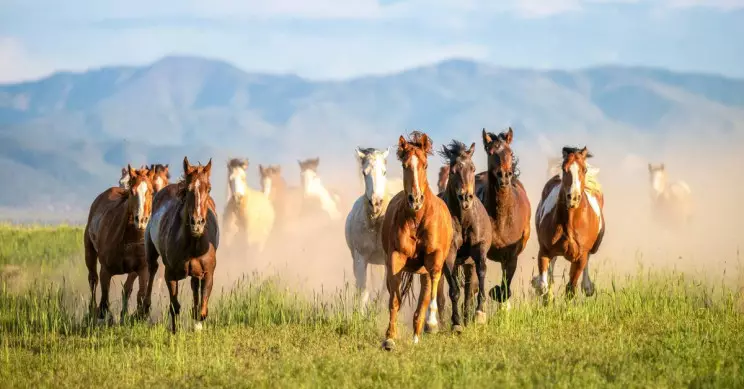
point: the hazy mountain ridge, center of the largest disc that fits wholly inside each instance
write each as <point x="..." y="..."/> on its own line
<point x="70" y="133"/>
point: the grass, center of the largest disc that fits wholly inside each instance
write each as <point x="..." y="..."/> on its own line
<point x="659" y="330"/>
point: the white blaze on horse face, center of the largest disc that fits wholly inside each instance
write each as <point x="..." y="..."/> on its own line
<point x="374" y="178"/>
<point x="237" y="182"/>
<point x="658" y="181"/>
<point x="575" y="183"/>
<point x="414" y="166"/>
<point x="141" y="197"/>
<point x="197" y="196"/>
<point x="308" y="182"/>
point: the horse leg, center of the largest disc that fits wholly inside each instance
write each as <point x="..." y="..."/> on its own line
<point x="480" y="268"/>
<point x="143" y="287"/>
<point x="91" y="261"/>
<point x="195" y="289"/>
<point x="587" y="285"/>
<point x="434" y="267"/>
<point x="103" y="309"/>
<point x="450" y="274"/>
<point x="577" y="268"/>
<point x="393" y="277"/>
<point x="467" y="272"/>
<point x="421" y="309"/>
<point x="175" y="307"/>
<point x="151" y="257"/>
<point x="441" y="302"/>
<point x="126" y="293"/>
<point x="540" y="282"/>
<point x="360" y="275"/>
<point x="502" y="293"/>
<point x="206" y="291"/>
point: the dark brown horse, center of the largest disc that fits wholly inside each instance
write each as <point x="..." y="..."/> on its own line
<point x="508" y="208"/>
<point x="184" y="232"/>
<point x="114" y="236"/>
<point x="416" y="237"/>
<point x="570" y="221"/>
<point x="471" y="239"/>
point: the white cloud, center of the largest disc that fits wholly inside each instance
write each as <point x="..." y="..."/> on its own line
<point x="16" y="64"/>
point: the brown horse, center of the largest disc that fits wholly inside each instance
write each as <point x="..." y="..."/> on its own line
<point x="162" y="176"/>
<point x="570" y="221"/>
<point x="416" y="238"/>
<point x="184" y="232"/>
<point x="113" y="237"/>
<point x="287" y="201"/>
<point x="472" y="234"/>
<point x="444" y="172"/>
<point x="508" y="208"/>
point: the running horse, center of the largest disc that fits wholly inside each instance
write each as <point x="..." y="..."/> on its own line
<point x="569" y="222"/>
<point x="416" y="238"/>
<point x="114" y="237"/>
<point x="247" y="209"/>
<point x="184" y="232"/>
<point x="471" y="239"/>
<point x="505" y="199"/>
<point x="287" y="200"/>
<point x="313" y="189"/>
<point x="444" y="172"/>
<point x="671" y="201"/>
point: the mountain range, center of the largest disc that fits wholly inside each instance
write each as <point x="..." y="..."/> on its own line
<point x="64" y="138"/>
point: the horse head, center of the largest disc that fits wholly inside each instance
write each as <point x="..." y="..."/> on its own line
<point x="461" y="168"/>
<point x="308" y="175"/>
<point x="124" y="179"/>
<point x="501" y="160"/>
<point x="195" y="190"/>
<point x="161" y="176"/>
<point x="269" y="176"/>
<point x="413" y="153"/>
<point x="373" y="164"/>
<point x="140" y="191"/>
<point x="237" y="184"/>
<point x="574" y="170"/>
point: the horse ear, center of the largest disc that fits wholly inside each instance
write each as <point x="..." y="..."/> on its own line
<point x="359" y="153"/>
<point x="123" y="171"/>
<point x="509" y="135"/>
<point x="486" y="139"/>
<point x="186" y="165"/>
<point x="132" y="172"/>
<point x="426" y="143"/>
<point x="471" y="150"/>
<point x="402" y="144"/>
<point x="565" y="153"/>
<point x="208" y="168"/>
<point x="260" y="168"/>
<point x="585" y="153"/>
<point x="386" y="152"/>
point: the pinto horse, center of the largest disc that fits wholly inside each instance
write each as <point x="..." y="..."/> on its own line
<point x="114" y="237"/>
<point x="471" y="239"/>
<point x="570" y="221"/>
<point x="508" y="208"/>
<point x="184" y="232"/>
<point x="416" y="238"/>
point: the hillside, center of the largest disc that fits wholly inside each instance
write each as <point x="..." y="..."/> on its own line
<point x="64" y="138"/>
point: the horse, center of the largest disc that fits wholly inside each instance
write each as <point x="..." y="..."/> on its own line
<point x="184" y="232"/>
<point x="471" y="239"/>
<point x="554" y="166"/>
<point x="287" y="201"/>
<point x="246" y="208"/>
<point x="444" y="172"/>
<point x="124" y="179"/>
<point x="570" y="222"/>
<point x="114" y="236"/>
<point x="416" y="238"/>
<point x="364" y="221"/>
<point x="162" y="176"/>
<point x="313" y="188"/>
<point x="670" y="200"/>
<point x="505" y="199"/>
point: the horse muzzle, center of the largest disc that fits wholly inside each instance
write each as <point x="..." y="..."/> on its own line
<point x="196" y="225"/>
<point x="573" y="201"/>
<point x="141" y="222"/>
<point x="376" y="206"/>
<point x="466" y="200"/>
<point x="416" y="202"/>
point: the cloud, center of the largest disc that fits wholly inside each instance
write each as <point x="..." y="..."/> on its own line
<point x="720" y="4"/>
<point x="15" y="63"/>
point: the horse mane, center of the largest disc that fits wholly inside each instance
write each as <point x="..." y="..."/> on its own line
<point x="417" y="138"/>
<point x="453" y="151"/>
<point x="591" y="181"/>
<point x="235" y="162"/>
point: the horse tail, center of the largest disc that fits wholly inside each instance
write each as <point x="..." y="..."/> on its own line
<point x="406" y="283"/>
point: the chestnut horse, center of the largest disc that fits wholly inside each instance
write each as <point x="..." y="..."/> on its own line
<point x="416" y="238"/>
<point x="162" y="176"/>
<point x="472" y="233"/>
<point x="508" y="208"/>
<point x="184" y="232"/>
<point x="114" y="236"/>
<point x="570" y="221"/>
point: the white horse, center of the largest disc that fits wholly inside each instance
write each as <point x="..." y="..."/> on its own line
<point x="670" y="201"/>
<point x="364" y="222"/>
<point x="247" y="209"/>
<point x="313" y="188"/>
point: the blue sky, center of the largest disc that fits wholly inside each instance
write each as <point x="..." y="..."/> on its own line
<point x="346" y="38"/>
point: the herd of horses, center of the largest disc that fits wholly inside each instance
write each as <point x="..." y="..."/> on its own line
<point x="401" y="225"/>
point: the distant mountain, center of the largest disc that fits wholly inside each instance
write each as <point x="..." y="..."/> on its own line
<point x="64" y="138"/>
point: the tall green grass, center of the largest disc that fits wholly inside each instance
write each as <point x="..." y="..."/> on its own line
<point x="659" y="330"/>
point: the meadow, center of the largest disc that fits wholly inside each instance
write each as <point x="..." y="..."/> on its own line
<point x="649" y="329"/>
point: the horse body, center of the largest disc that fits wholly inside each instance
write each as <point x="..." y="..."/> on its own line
<point x="471" y="238"/>
<point x="248" y="212"/>
<point x="671" y="201"/>
<point x="114" y="237"/>
<point x="569" y="221"/>
<point x="364" y="221"/>
<point x="184" y="233"/>
<point x="508" y="207"/>
<point x="416" y="237"/>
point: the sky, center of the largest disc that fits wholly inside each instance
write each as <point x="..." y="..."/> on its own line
<point x="337" y="39"/>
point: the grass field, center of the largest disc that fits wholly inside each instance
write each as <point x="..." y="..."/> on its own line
<point x="658" y="330"/>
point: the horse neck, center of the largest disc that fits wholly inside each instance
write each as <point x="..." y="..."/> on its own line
<point x="450" y="198"/>
<point x="499" y="202"/>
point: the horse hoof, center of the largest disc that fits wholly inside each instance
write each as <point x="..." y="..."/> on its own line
<point x="589" y="292"/>
<point x="480" y="317"/>
<point x="388" y="345"/>
<point x="198" y="326"/>
<point x="432" y="328"/>
<point x="457" y="329"/>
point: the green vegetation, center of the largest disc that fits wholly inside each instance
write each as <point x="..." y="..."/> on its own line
<point x="659" y="330"/>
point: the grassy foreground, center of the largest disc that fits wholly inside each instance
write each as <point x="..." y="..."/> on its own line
<point x="659" y="330"/>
